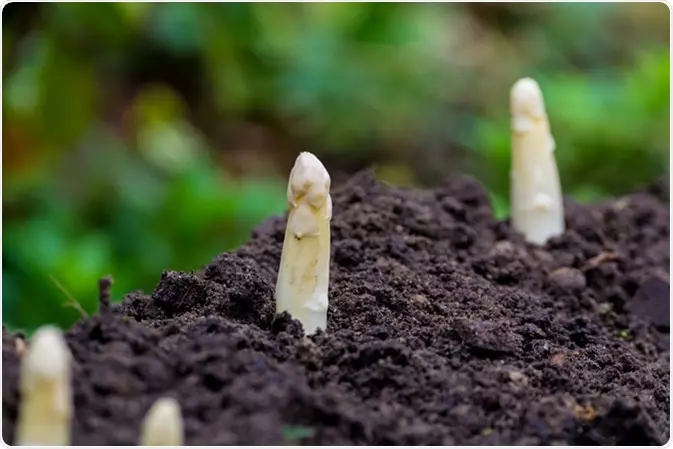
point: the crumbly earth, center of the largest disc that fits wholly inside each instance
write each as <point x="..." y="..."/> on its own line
<point x="445" y="328"/>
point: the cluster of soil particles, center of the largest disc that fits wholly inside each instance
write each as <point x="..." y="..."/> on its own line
<point x="444" y="328"/>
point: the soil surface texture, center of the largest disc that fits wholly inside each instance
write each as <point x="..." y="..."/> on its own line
<point x="444" y="327"/>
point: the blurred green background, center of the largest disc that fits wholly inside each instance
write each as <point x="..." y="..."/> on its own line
<point x="142" y="137"/>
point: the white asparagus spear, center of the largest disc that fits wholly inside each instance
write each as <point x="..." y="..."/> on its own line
<point x="536" y="197"/>
<point x="163" y="424"/>
<point x="303" y="277"/>
<point x="45" y="411"/>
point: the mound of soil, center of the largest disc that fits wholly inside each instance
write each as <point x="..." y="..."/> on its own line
<point x="445" y="328"/>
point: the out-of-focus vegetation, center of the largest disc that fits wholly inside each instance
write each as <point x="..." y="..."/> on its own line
<point x="140" y="137"/>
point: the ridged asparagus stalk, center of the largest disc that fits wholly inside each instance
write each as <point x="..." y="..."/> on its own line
<point x="303" y="277"/>
<point x="45" y="411"/>
<point x="536" y="197"/>
<point x="163" y="424"/>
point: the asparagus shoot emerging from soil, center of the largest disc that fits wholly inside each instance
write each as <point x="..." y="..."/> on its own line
<point x="163" y="424"/>
<point x="537" y="203"/>
<point x="45" y="412"/>
<point x="303" y="277"/>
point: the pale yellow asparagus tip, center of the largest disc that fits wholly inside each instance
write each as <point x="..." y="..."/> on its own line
<point x="303" y="277"/>
<point x="309" y="182"/>
<point x="536" y="197"/>
<point x="526" y="99"/>
<point x="45" y="411"/>
<point x="163" y="424"/>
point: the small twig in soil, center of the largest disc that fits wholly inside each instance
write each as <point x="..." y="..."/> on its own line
<point x="72" y="301"/>
<point x="601" y="259"/>
<point x="104" y="287"/>
<point x="585" y="413"/>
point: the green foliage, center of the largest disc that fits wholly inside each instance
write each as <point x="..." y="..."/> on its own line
<point x="141" y="137"/>
<point x="133" y="229"/>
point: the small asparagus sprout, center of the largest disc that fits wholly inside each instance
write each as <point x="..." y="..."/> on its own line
<point x="45" y="412"/>
<point x="303" y="277"/>
<point x="537" y="203"/>
<point x="163" y="424"/>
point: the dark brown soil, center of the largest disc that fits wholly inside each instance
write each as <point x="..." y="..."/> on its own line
<point x="444" y="328"/>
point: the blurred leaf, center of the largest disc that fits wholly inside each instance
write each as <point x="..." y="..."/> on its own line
<point x="176" y="25"/>
<point x="157" y="104"/>
<point x="61" y="70"/>
<point x="83" y="263"/>
<point x="173" y="146"/>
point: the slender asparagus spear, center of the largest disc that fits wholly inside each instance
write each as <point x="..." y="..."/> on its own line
<point x="45" y="412"/>
<point x="303" y="277"/>
<point x="536" y="197"/>
<point x="163" y="424"/>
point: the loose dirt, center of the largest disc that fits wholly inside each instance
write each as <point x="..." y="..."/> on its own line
<point x="445" y="327"/>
